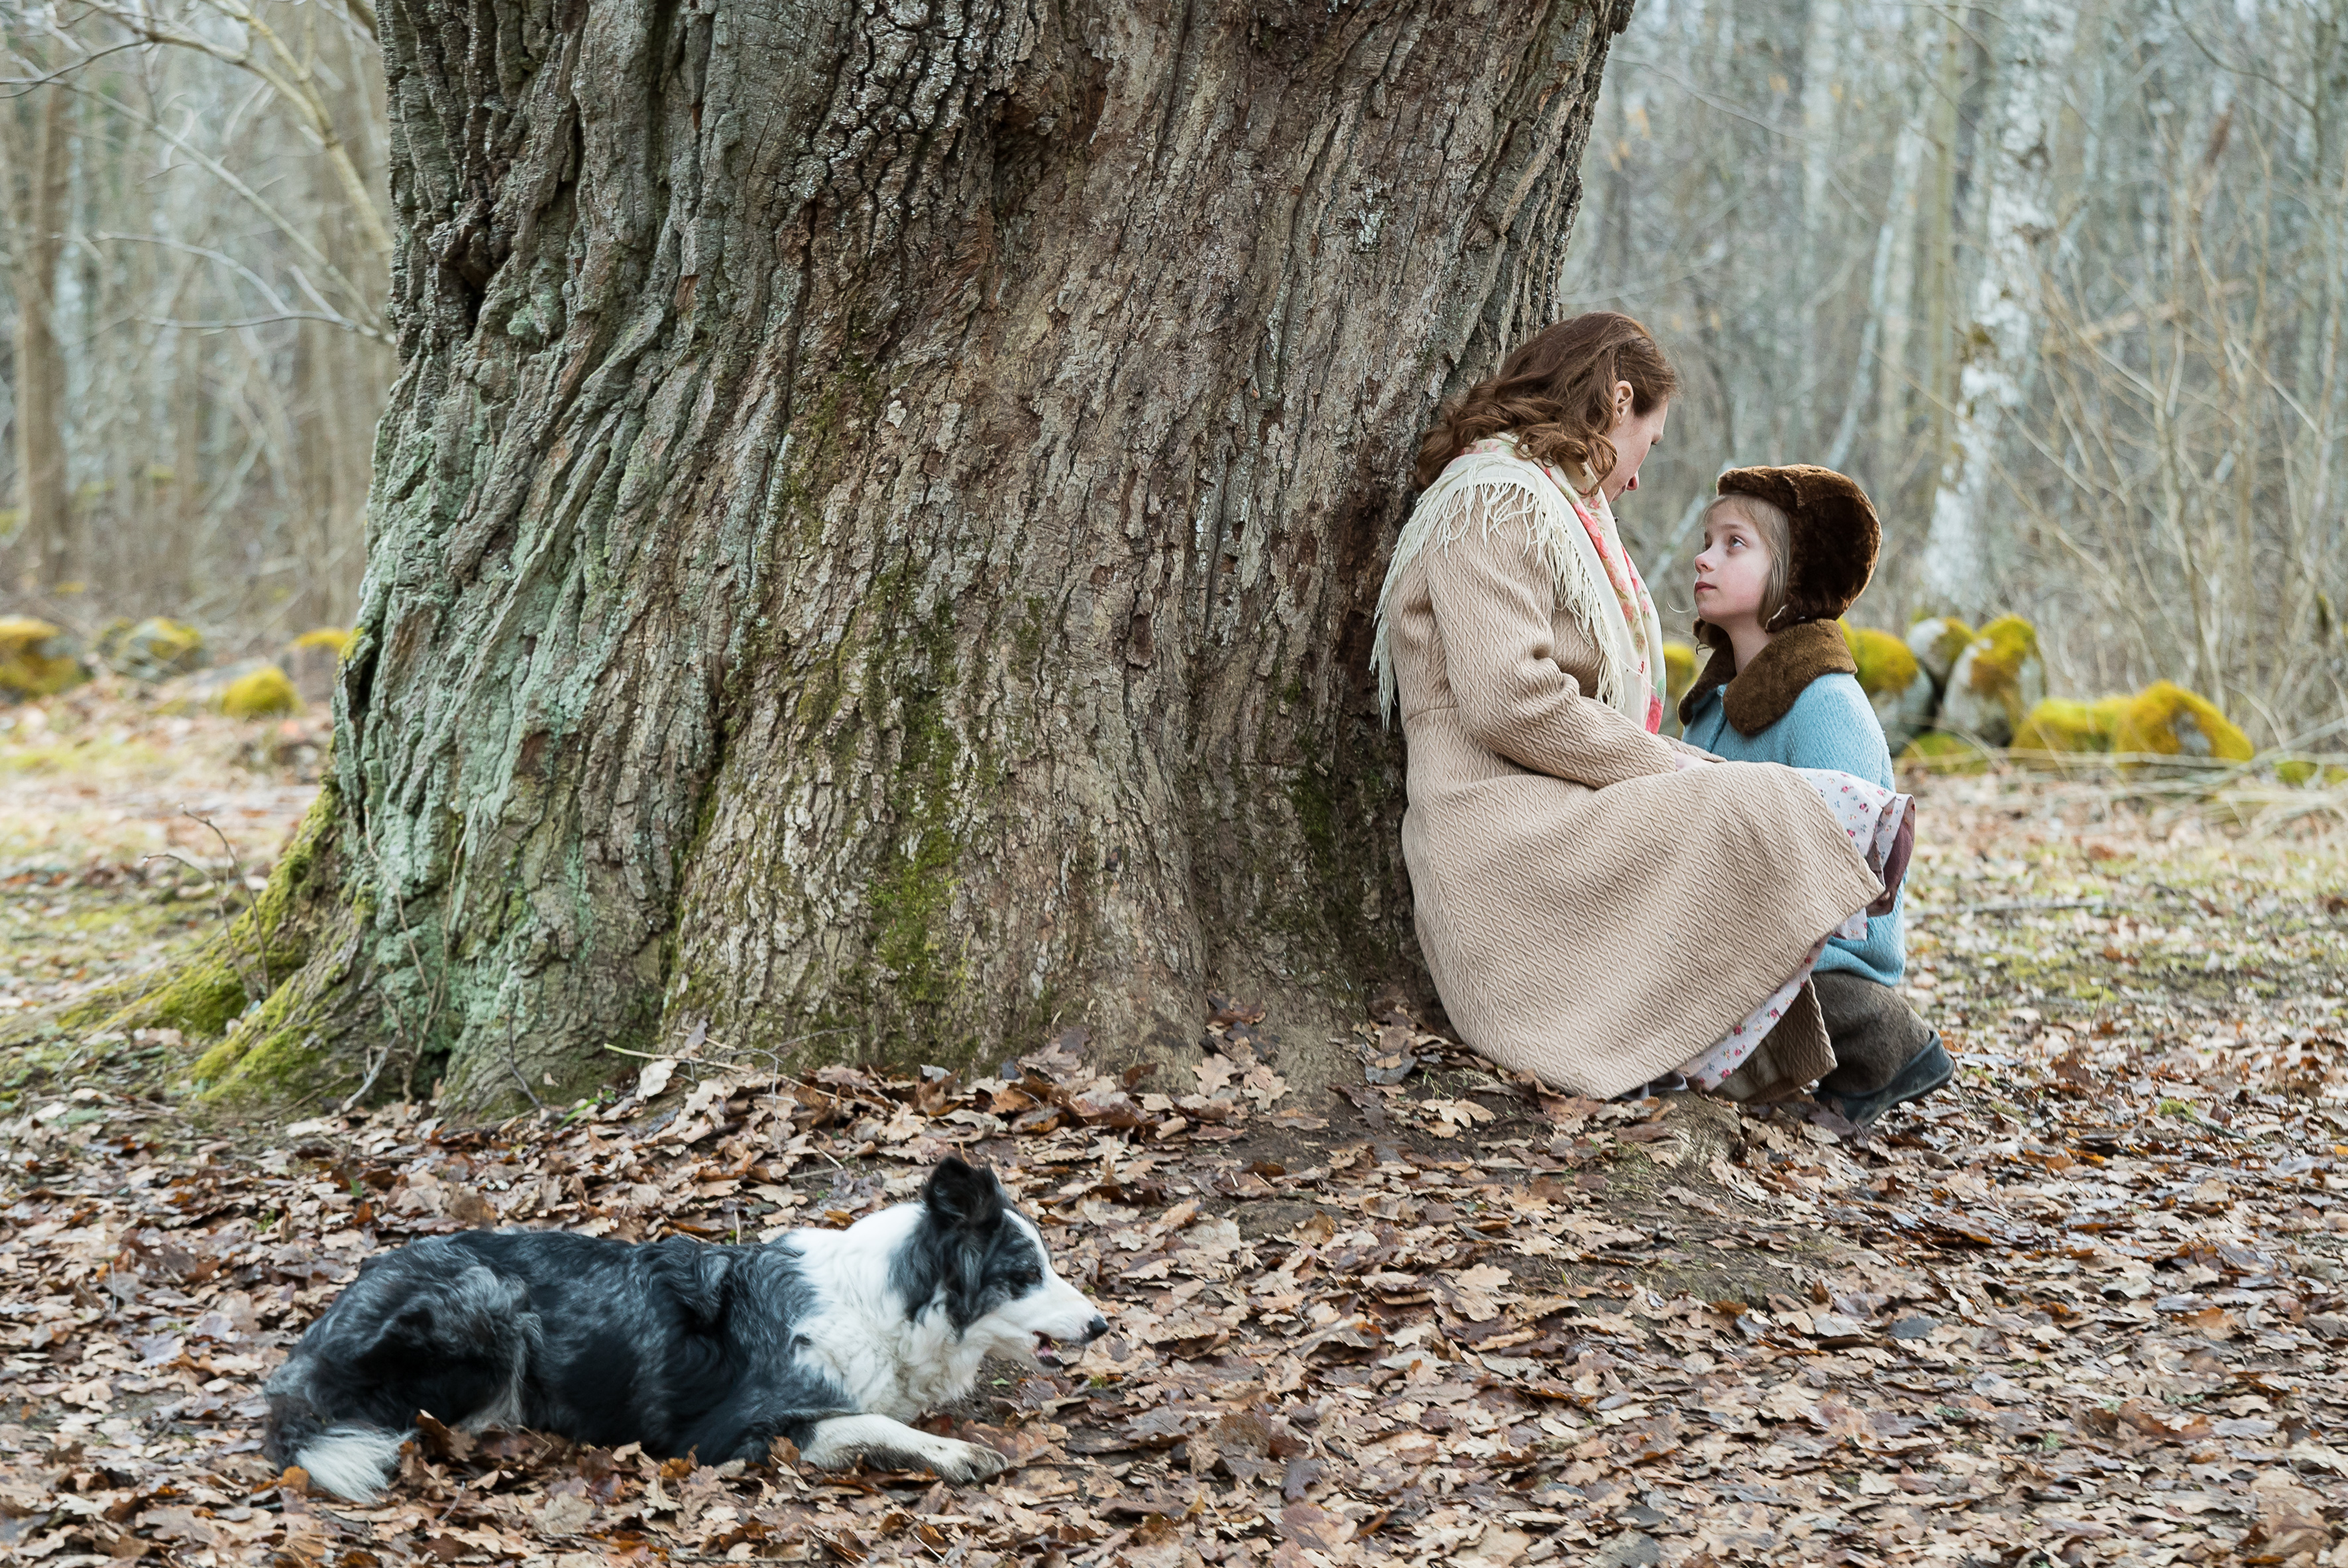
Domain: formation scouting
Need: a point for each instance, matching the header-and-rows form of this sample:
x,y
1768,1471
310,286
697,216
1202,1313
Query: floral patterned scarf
x,y
1630,590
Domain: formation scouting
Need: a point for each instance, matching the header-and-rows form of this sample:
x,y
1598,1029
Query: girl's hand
x,y
1683,760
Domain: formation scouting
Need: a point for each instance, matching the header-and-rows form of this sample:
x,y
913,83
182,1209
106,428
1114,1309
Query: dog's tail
x,y
427,1327
351,1461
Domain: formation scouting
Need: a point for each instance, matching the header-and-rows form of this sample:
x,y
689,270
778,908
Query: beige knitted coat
x,y
1592,913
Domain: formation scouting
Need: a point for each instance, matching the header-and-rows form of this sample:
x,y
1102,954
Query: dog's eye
x,y
1027,1279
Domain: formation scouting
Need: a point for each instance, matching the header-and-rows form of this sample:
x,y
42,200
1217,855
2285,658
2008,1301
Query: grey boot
x,y
1928,1070
1876,1034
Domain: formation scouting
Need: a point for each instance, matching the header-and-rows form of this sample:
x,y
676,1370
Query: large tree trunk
x,y
875,534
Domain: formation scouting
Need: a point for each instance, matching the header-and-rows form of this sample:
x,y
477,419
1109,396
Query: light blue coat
x,y
1830,725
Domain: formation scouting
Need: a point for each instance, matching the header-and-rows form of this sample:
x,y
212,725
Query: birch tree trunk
x,y
875,534
1895,378
2325,315
174,578
44,542
2032,50
1938,381
1821,44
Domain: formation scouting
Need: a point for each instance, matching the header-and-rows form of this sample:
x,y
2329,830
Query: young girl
x,y
1787,550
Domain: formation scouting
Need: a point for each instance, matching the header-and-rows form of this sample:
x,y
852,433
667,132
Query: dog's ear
x,y
963,1195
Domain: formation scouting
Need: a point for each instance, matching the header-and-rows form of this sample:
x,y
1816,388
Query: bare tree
x,y
40,184
1890,280
206,371
2001,335
2031,294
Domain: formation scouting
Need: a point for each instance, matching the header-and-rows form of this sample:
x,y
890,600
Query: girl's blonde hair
x,y
1776,530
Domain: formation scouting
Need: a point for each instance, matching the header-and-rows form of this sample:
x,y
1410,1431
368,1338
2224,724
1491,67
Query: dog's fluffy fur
x,y
834,1339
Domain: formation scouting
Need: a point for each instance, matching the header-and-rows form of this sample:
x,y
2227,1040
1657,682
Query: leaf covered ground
x,y
2083,1308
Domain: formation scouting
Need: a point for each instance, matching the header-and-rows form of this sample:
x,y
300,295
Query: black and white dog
x,y
834,1339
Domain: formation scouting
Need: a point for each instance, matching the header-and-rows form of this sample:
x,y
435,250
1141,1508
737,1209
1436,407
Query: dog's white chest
x,y
898,1369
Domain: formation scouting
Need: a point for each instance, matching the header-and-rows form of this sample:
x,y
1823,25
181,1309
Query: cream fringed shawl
x,y
1519,493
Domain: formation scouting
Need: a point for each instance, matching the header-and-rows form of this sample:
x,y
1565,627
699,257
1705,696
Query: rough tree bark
x,y
874,537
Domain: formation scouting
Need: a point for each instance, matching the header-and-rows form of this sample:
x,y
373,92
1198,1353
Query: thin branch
x,y
26,84
227,911
513,1065
245,321
293,234
364,15
2190,36
279,310
252,902
289,78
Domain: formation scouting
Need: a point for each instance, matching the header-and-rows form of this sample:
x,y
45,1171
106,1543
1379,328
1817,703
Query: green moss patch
x,y
263,946
1886,664
2060,726
1679,671
1941,753
265,693
2300,773
1998,653
277,1054
154,649
37,659
1997,680
2167,721
1938,643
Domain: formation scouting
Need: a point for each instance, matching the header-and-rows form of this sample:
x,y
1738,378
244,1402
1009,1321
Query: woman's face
x,y
1731,575
1635,435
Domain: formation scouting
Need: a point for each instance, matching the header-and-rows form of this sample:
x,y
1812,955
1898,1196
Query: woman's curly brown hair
x,y
1556,393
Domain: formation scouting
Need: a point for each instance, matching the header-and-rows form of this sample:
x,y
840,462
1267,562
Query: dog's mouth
x,y
1047,1351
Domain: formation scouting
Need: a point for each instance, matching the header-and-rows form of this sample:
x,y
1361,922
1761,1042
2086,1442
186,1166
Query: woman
x,y
1599,907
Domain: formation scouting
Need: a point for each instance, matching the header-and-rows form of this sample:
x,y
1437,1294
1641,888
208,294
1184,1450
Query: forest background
x,y
2062,285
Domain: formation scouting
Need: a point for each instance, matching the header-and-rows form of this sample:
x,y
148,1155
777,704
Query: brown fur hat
x,y
1836,536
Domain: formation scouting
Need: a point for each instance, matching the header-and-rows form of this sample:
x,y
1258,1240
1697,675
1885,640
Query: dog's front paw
x,y
966,1464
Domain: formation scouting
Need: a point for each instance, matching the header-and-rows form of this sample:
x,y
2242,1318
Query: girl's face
x,y
1635,435
1731,575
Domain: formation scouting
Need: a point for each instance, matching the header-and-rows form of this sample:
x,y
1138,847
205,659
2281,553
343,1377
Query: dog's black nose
x,y
1095,1328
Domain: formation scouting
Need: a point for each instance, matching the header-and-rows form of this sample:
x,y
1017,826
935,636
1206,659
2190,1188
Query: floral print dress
x,y
1882,823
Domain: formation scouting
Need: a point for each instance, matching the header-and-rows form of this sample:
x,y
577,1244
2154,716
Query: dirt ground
x,y
2084,1308
126,832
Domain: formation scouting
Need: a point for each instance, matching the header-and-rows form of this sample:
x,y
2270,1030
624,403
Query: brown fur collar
x,y
1760,697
